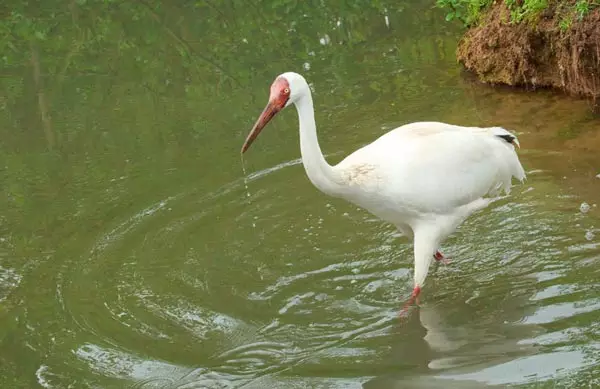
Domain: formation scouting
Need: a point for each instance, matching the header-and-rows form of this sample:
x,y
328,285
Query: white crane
x,y
425,178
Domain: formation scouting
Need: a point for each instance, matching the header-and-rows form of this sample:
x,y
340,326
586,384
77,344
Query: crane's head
x,y
285,90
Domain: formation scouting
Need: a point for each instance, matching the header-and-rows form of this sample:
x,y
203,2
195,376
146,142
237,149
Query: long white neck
x,y
320,173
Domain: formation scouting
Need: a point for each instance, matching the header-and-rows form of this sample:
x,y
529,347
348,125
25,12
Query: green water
x,y
132,254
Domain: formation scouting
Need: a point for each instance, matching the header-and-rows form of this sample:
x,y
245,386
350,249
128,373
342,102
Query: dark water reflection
x,y
132,254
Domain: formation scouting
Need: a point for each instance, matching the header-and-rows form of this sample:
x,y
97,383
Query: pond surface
x,y
135,253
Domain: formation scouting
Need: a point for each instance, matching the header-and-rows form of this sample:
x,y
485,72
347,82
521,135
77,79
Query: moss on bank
x,y
470,12
534,43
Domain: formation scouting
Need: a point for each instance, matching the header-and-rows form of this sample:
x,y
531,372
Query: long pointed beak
x,y
267,114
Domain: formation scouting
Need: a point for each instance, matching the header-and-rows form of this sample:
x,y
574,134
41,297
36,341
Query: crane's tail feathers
x,y
510,139
503,133
514,166
518,171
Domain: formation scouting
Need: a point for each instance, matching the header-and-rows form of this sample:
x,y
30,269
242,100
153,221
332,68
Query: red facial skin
x,y
280,94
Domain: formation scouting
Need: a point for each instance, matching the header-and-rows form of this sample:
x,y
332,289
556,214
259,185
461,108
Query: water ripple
x,y
176,295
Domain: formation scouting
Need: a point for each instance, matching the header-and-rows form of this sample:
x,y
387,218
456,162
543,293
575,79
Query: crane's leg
x,y
428,235
461,214
414,298
438,256
427,238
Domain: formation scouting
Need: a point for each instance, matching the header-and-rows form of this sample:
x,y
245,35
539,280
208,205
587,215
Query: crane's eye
x,y
286,90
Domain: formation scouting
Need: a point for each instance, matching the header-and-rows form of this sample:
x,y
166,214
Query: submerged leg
x,y
426,240
428,235
438,256
414,298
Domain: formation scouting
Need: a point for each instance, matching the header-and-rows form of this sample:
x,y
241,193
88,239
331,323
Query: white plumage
x,y
425,178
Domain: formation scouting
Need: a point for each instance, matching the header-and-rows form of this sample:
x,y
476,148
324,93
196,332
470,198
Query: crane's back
x,y
429,167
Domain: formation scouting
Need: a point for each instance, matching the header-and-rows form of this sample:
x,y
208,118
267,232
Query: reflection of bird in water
x,y
426,178
438,348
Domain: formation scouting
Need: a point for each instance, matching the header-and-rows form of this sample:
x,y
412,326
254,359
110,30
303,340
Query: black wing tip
x,y
507,137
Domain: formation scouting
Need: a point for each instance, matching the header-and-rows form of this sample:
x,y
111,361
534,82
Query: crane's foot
x,y
438,256
414,298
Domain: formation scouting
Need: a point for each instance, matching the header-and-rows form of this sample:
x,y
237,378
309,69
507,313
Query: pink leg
x,y
414,297
441,257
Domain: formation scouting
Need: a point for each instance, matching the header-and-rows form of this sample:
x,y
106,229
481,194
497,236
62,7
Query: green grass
x,y
469,11
466,11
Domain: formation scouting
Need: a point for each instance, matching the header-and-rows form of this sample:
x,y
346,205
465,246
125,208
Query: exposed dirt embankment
x,y
535,54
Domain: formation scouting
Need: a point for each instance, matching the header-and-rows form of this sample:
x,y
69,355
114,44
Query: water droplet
x,y
325,40
246,182
245,177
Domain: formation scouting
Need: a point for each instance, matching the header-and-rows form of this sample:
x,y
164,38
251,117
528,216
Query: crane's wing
x,y
437,167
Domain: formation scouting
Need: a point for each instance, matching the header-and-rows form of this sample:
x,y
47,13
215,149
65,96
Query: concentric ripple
x,y
284,286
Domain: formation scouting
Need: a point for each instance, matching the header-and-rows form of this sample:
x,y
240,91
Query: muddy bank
x,y
535,54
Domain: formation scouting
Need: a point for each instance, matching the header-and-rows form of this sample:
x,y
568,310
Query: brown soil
x,y
535,54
